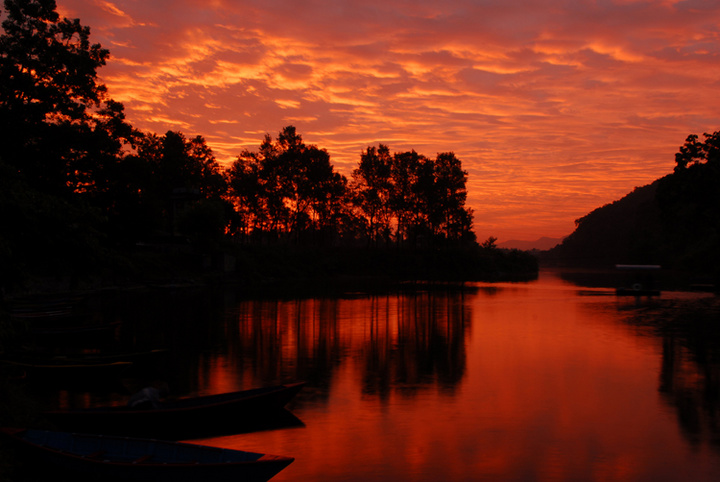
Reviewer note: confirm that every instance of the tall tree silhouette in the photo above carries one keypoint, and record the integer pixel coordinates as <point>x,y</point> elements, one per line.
<point>57,125</point>
<point>428,198</point>
<point>61,138</point>
<point>286,187</point>
<point>173,176</point>
<point>404,202</point>
<point>371,189</point>
<point>450,216</point>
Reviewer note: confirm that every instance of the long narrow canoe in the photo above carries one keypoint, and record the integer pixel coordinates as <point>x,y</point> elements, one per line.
<point>74,330</point>
<point>183,418</point>
<point>68,368</point>
<point>123,458</point>
<point>80,359</point>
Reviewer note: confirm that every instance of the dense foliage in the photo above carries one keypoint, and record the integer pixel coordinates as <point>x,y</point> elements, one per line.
<point>289,190</point>
<point>82,191</point>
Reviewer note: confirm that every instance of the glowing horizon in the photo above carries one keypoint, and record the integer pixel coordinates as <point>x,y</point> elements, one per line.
<point>554,108</point>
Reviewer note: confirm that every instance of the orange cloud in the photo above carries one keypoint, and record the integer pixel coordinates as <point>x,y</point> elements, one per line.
<point>555,108</point>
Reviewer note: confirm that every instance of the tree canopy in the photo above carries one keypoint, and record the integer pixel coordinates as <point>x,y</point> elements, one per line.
<point>58,127</point>
<point>289,188</point>
<point>286,188</point>
<point>80,187</point>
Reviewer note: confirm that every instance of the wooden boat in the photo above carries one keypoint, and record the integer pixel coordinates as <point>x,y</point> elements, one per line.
<point>134,357</point>
<point>101,357</point>
<point>73,330</point>
<point>61,368</point>
<point>183,418</point>
<point>80,367</point>
<point>123,458</point>
<point>44,307</point>
<point>42,315</point>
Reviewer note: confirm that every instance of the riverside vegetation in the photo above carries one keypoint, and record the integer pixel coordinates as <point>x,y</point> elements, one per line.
<point>87,199</point>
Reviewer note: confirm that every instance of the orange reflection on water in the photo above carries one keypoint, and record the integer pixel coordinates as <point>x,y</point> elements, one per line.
<point>512,382</point>
<point>399,340</point>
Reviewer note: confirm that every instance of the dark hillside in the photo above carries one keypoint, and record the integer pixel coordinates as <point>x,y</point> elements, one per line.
<point>674,222</point>
<point>625,231</point>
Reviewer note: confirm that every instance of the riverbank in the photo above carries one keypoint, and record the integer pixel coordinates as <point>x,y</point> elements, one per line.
<point>277,268</point>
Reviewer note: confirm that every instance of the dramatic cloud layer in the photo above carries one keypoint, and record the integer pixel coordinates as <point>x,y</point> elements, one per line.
<point>555,107</point>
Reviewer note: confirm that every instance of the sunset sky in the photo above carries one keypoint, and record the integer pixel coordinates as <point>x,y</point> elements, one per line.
<point>555,107</point>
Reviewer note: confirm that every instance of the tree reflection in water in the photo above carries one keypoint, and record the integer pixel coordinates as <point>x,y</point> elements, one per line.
<point>406,341</point>
<point>689,380</point>
<point>512,381</point>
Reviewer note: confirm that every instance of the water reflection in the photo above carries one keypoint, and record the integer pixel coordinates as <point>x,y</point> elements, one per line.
<point>545,380</point>
<point>689,380</point>
<point>688,327</point>
<point>692,390</point>
<point>405,341</point>
<point>512,382</point>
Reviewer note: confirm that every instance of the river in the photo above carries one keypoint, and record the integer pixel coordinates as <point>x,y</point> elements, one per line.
<point>541,380</point>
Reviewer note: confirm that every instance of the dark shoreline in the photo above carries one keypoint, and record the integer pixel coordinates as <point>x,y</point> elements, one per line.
<point>276,270</point>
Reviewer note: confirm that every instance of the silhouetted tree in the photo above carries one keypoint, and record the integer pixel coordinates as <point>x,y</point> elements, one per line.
<point>428,198</point>
<point>57,125</point>
<point>167,176</point>
<point>287,187</point>
<point>61,138</point>
<point>450,216</point>
<point>148,190</point>
<point>694,152</point>
<point>77,180</point>
<point>404,202</point>
<point>424,201</point>
<point>244,191</point>
<point>184,166</point>
<point>371,190</point>
<point>489,243</point>
<point>689,200</point>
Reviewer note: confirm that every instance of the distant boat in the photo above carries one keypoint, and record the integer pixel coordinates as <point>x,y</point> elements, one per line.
<point>183,418</point>
<point>122,458</point>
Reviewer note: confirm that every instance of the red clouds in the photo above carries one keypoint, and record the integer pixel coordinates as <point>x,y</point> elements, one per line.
<point>555,107</point>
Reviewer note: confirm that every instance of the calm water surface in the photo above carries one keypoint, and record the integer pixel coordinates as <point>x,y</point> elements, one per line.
<point>545,380</point>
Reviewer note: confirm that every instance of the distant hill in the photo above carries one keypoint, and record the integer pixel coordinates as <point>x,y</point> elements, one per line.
<point>624,232</point>
<point>673,222</point>
<point>541,244</point>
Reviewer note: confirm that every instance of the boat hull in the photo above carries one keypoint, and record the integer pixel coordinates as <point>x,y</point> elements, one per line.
<point>124,458</point>
<point>186,418</point>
